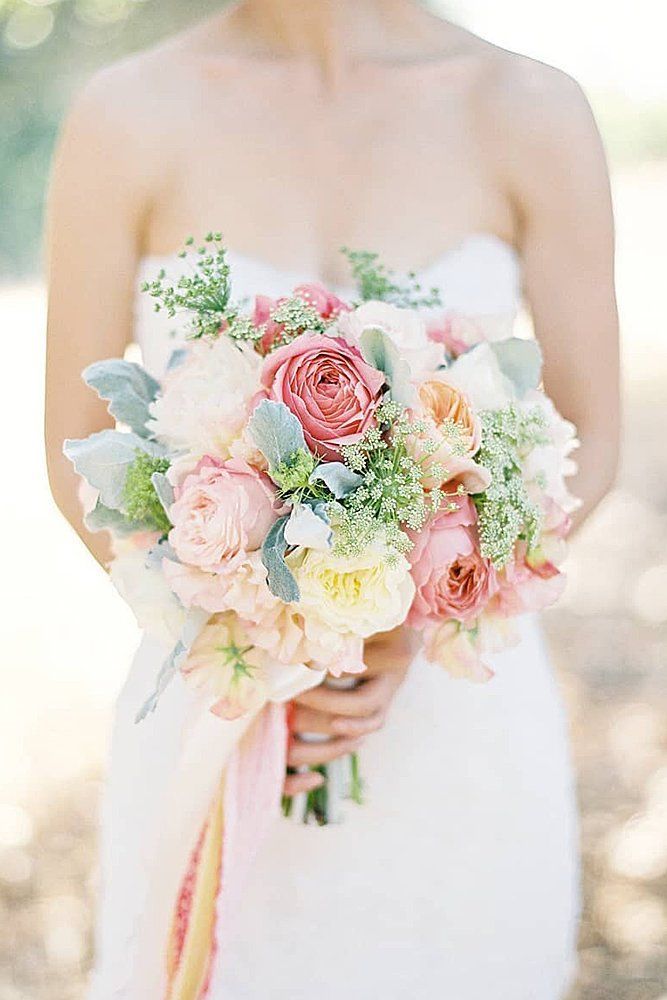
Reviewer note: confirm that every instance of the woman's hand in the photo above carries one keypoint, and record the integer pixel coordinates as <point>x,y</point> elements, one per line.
<point>347,717</point>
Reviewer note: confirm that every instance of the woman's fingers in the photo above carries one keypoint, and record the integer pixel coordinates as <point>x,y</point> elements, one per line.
<point>303,754</point>
<point>295,784</point>
<point>370,696</point>
<point>309,720</point>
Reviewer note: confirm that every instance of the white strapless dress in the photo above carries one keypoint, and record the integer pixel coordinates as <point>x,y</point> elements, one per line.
<point>457,879</point>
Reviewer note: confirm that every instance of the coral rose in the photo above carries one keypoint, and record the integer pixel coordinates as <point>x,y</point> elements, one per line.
<point>452,579</point>
<point>326,383</point>
<point>222,511</point>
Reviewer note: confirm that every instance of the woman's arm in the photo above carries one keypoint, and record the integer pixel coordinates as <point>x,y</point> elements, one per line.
<point>558,180</point>
<point>95,210</point>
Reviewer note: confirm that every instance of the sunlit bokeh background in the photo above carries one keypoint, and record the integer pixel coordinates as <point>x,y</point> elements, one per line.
<point>68,638</point>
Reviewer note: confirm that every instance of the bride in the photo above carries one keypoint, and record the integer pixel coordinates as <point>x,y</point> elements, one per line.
<point>297,127</point>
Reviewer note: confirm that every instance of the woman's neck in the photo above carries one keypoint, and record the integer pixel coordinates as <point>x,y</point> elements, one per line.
<point>333,33</point>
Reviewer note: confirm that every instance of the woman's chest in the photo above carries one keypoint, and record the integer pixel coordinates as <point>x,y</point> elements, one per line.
<point>290,176</point>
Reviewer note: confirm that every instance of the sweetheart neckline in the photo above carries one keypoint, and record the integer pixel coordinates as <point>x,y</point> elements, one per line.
<point>297,276</point>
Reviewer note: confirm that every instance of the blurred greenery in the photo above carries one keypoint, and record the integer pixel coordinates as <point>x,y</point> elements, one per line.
<point>47,49</point>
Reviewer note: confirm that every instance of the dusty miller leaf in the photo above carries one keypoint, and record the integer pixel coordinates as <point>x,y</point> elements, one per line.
<point>280,579</point>
<point>103,459</point>
<point>380,351</point>
<point>337,478</point>
<point>129,389</point>
<point>276,432</point>
<point>520,361</point>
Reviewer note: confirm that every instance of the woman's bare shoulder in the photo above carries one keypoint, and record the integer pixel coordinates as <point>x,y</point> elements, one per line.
<point>526,97</point>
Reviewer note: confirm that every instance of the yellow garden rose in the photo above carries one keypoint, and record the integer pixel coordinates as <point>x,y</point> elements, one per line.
<point>362,595</point>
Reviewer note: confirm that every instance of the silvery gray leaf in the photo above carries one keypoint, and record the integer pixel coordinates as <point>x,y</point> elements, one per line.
<point>276,432</point>
<point>280,579</point>
<point>129,389</point>
<point>380,351</point>
<point>168,670</point>
<point>337,477</point>
<point>103,518</point>
<point>194,623</point>
<point>195,620</point>
<point>520,361</point>
<point>102,459</point>
<point>164,490</point>
<point>162,550</point>
<point>308,526</point>
<point>176,358</point>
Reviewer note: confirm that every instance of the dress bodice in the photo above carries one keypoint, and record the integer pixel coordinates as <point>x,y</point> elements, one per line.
<point>480,278</point>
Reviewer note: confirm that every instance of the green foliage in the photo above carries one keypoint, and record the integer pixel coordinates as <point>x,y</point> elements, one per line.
<point>505,511</point>
<point>375,281</point>
<point>141,502</point>
<point>204,294</point>
<point>391,497</point>
<point>295,473</point>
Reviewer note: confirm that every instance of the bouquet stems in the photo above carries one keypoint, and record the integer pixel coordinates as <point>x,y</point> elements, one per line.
<point>342,781</point>
<point>322,806</point>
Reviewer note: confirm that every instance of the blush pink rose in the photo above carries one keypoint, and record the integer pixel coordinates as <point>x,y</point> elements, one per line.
<point>455,332</point>
<point>326,383</point>
<point>526,589</point>
<point>321,299</point>
<point>452,578</point>
<point>222,511</point>
<point>327,305</point>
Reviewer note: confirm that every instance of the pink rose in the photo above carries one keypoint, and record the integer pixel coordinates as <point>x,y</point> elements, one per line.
<point>452,578</point>
<point>525,590</point>
<point>222,511</point>
<point>321,299</point>
<point>316,295</point>
<point>455,332</point>
<point>326,383</point>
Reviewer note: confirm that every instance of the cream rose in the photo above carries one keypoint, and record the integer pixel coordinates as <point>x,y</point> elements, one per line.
<point>361,595</point>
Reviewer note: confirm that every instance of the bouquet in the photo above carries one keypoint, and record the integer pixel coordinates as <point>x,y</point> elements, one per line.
<point>311,472</point>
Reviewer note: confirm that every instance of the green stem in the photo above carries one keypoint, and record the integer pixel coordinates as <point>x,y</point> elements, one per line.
<point>357,785</point>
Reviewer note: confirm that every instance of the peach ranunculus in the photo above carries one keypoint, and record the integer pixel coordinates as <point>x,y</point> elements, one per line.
<point>226,668</point>
<point>326,383</point>
<point>456,430</point>
<point>452,646</point>
<point>452,578</point>
<point>462,651</point>
<point>222,511</point>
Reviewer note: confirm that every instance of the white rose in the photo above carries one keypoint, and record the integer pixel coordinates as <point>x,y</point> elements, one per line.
<point>478,374</point>
<point>145,588</point>
<point>550,464</point>
<point>405,327</point>
<point>202,409</point>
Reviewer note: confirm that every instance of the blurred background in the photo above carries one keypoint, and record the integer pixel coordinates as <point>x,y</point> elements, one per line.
<point>68,638</point>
